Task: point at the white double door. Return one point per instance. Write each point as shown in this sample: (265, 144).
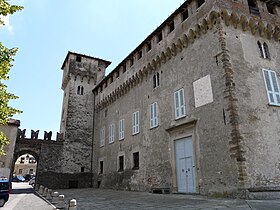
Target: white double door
(185, 165)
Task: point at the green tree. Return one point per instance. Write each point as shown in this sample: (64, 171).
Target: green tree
(6, 60)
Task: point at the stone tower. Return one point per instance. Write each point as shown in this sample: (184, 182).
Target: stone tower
(81, 73)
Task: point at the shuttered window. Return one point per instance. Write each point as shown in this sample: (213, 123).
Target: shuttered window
(121, 129)
(135, 123)
(102, 137)
(272, 87)
(179, 104)
(153, 115)
(111, 133)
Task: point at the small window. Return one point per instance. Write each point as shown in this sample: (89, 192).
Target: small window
(20, 171)
(272, 87)
(271, 9)
(135, 161)
(171, 26)
(131, 62)
(156, 80)
(185, 14)
(121, 163)
(101, 167)
(200, 2)
(153, 115)
(105, 112)
(253, 7)
(140, 54)
(102, 137)
(124, 68)
(111, 133)
(149, 46)
(80, 90)
(159, 36)
(121, 129)
(78, 58)
(179, 104)
(135, 123)
(264, 51)
(82, 169)
(31, 171)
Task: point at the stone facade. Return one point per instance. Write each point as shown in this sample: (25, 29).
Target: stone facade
(6, 161)
(197, 83)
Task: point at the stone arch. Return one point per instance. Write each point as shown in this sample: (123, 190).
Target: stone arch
(204, 26)
(185, 41)
(234, 19)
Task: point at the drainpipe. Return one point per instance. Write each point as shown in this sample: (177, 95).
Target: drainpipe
(92, 142)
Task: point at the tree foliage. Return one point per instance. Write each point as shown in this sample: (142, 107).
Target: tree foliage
(6, 63)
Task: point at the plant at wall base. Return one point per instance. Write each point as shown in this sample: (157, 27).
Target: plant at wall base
(6, 60)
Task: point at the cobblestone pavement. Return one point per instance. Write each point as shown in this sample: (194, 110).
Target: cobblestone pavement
(90, 199)
(23, 198)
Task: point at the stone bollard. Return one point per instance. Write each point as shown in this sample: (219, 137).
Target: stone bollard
(61, 202)
(41, 189)
(54, 197)
(49, 195)
(72, 204)
(45, 192)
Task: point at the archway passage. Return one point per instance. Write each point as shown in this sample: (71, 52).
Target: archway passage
(26, 167)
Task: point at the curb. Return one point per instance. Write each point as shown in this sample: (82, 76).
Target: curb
(38, 194)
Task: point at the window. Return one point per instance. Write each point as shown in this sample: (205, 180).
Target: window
(140, 54)
(153, 115)
(200, 2)
(101, 167)
(124, 68)
(82, 169)
(253, 7)
(80, 90)
(149, 46)
(185, 14)
(171, 26)
(78, 58)
(22, 160)
(135, 123)
(121, 129)
(179, 104)
(102, 137)
(31, 170)
(263, 50)
(121, 163)
(271, 9)
(272, 87)
(159, 37)
(156, 80)
(111, 133)
(131, 62)
(20, 171)
(135, 161)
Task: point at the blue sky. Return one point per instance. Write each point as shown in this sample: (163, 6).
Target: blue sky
(47, 29)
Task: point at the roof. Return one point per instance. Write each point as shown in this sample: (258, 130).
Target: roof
(87, 56)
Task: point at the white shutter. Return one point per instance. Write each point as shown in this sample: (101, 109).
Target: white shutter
(137, 122)
(152, 115)
(272, 87)
(182, 103)
(176, 104)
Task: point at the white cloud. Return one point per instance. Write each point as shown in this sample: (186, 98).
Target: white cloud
(7, 23)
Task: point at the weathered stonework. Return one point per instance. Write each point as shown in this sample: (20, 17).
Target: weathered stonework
(232, 135)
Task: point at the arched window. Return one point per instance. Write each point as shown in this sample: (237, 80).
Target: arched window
(156, 80)
(80, 90)
(263, 50)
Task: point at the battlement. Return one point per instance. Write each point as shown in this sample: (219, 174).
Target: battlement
(191, 20)
(34, 136)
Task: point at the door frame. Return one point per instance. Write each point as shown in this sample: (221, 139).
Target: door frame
(182, 131)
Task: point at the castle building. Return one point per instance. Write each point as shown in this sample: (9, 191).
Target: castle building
(195, 108)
